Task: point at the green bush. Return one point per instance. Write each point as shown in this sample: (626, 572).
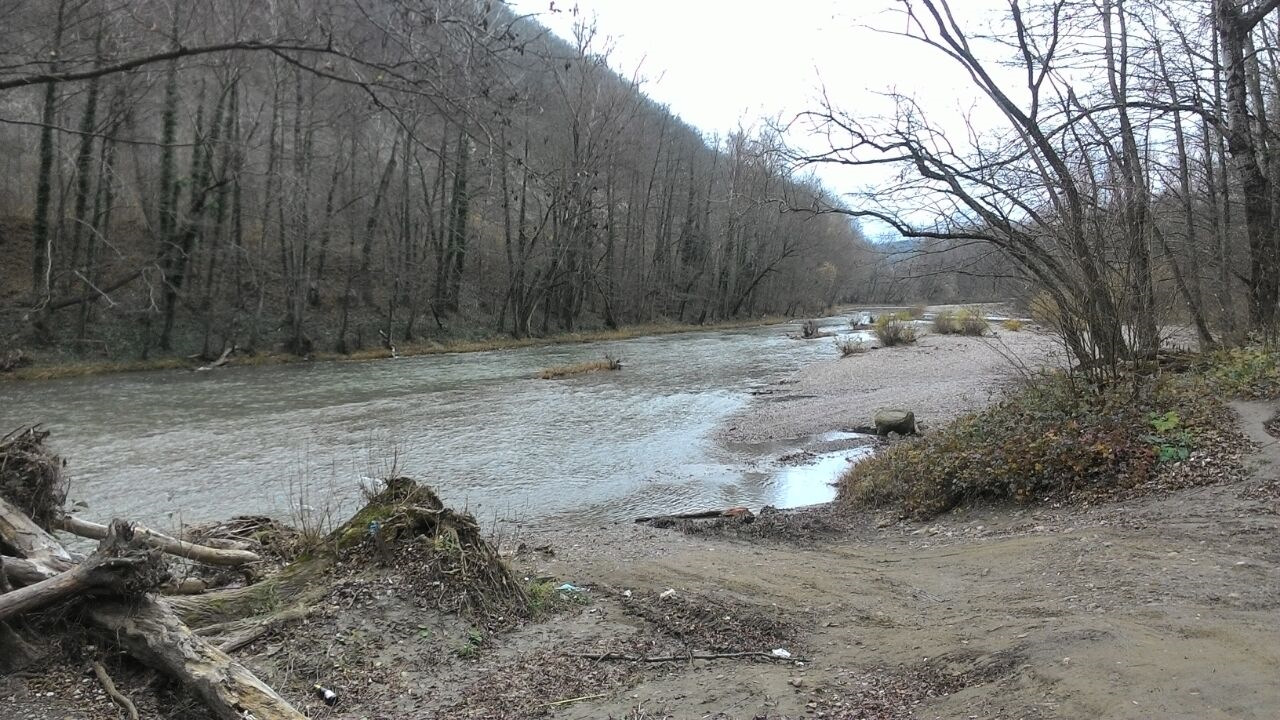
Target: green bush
(892, 330)
(1044, 440)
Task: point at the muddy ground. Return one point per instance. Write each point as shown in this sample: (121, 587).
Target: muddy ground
(1163, 606)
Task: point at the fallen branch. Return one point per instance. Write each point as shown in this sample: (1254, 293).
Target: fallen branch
(116, 696)
(733, 512)
(570, 701)
(173, 546)
(686, 657)
(222, 359)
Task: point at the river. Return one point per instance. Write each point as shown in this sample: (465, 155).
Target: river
(173, 448)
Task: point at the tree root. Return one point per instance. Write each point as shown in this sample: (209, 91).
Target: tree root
(116, 696)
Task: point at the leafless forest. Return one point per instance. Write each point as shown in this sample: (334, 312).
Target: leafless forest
(183, 176)
(1131, 177)
(180, 177)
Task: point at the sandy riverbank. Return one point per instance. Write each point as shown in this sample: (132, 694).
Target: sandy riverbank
(938, 378)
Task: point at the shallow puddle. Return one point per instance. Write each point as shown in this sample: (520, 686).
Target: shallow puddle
(813, 483)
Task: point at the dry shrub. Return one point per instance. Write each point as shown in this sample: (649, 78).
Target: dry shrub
(559, 371)
(851, 346)
(1012, 324)
(1045, 311)
(15, 359)
(892, 330)
(961, 322)
(809, 329)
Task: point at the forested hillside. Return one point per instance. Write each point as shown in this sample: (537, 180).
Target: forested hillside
(181, 177)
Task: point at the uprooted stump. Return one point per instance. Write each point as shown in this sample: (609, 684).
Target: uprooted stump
(122, 567)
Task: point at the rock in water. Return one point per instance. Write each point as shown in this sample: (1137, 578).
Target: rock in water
(902, 422)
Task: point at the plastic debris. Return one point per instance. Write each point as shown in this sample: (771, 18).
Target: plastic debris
(780, 653)
(571, 588)
(667, 594)
(328, 696)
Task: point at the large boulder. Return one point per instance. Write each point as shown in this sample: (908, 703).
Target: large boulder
(902, 422)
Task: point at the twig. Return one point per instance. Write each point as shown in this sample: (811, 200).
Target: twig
(116, 696)
(688, 656)
(574, 700)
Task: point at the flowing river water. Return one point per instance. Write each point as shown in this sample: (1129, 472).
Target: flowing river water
(172, 448)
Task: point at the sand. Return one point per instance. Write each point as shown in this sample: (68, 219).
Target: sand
(938, 378)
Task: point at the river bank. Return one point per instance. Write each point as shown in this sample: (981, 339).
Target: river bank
(1155, 606)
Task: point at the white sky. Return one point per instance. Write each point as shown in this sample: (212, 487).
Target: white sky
(722, 63)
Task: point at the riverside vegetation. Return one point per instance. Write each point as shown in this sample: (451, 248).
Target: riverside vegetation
(1054, 436)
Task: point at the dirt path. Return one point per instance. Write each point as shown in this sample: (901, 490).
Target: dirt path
(1164, 607)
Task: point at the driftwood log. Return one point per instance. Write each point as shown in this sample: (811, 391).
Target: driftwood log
(151, 632)
(223, 557)
(119, 577)
(24, 538)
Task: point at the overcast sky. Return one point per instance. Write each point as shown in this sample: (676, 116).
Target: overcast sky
(722, 63)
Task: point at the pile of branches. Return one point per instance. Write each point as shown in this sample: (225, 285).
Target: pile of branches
(124, 592)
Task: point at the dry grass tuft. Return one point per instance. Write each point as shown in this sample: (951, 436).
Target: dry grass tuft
(582, 368)
(851, 346)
